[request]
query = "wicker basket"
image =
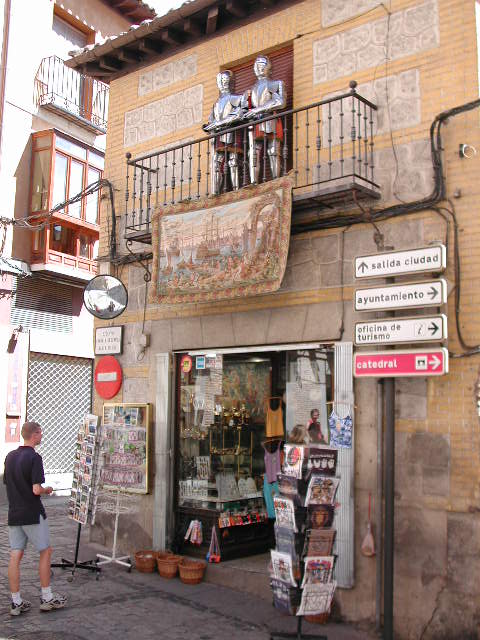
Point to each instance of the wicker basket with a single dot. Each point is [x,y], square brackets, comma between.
[320,618]
[192,571]
[167,564]
[145,561]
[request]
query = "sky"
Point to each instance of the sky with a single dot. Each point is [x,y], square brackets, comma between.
[162,6]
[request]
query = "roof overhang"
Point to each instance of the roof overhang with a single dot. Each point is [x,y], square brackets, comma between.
[180,28]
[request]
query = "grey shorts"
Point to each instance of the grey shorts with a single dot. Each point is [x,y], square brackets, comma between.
[37,534]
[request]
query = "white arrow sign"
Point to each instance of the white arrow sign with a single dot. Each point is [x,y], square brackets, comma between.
[396,263]
[398,330]
[431,293]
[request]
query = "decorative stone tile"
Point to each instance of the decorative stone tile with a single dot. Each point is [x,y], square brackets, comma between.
[166,74]
[337,11]
[145,84]
[162,76]
[184,118]
[146,131]
[398,100]
[134,118]
[408,32]
[163,117]
[129,137]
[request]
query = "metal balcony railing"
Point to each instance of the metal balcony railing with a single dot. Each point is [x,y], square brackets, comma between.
[74,95]
[327,145]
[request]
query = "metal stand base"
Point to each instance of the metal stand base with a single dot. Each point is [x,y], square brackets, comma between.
[274,635]
[89,565]
[112,559]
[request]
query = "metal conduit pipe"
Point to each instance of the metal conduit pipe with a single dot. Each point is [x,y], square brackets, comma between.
[379,509]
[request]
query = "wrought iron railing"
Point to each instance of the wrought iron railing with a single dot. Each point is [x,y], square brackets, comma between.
[326,145]
[61,88]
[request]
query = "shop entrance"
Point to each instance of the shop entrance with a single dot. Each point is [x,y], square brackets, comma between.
[234,410]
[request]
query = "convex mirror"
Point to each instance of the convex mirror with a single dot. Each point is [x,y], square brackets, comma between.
[105,297]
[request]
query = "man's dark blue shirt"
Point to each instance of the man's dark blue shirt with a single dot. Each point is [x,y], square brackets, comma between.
[23,469]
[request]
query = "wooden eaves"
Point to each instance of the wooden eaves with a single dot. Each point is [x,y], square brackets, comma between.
[157,38]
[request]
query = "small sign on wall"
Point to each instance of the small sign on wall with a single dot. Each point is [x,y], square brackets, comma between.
[108,340]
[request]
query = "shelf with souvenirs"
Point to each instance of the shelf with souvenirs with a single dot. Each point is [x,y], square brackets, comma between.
[220,466]
[302,564]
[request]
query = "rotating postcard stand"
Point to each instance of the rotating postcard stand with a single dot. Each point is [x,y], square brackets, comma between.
[109,502]
[89,565]
[298,634]
[302,564]
[83,497]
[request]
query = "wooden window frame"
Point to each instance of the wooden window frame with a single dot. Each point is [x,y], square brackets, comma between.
[79,225]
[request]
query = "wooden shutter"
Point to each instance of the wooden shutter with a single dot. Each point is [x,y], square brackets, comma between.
[282,69]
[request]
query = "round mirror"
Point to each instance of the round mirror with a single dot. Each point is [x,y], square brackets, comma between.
[105,297]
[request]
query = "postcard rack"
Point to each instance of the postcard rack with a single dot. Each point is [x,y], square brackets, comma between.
[302,563]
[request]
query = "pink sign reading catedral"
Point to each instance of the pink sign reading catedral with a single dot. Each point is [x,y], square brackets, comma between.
[388,364]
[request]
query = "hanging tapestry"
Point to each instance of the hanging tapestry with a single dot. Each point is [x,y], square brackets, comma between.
[230,246]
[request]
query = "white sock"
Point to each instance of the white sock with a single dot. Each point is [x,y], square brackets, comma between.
[47,593]
[17,598]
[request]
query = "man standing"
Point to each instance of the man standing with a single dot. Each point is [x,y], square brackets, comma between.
[27,520]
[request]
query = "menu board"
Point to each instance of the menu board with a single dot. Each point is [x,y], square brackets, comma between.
[125,447]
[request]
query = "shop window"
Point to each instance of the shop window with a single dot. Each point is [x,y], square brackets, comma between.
[233,412]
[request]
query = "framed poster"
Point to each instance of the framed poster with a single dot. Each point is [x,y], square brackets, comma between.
[126,429]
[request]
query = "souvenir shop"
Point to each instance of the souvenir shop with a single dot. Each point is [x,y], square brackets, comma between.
[242,418]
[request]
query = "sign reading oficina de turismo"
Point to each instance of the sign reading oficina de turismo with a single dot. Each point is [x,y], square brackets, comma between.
[398,330]
[388,364]
[396,263]
[431,293]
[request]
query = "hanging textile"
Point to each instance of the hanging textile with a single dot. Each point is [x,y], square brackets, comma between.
[213,554]
[274,419]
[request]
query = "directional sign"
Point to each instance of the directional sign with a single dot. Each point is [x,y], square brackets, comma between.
[395,330]
[394,364]
[431,293]
[396,263]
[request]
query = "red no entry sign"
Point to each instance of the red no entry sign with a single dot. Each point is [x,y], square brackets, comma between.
[108,377]
[391,364]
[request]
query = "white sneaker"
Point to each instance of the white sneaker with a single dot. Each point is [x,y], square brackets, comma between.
[17,609]
[57,602]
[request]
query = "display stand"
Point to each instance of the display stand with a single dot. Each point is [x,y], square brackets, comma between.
[302,563]
[89,565]
[107,506]
[298,635]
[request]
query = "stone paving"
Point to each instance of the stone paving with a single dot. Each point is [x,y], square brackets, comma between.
[134,606]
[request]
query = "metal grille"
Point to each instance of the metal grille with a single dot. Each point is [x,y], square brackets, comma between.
[41,304]
[59,395]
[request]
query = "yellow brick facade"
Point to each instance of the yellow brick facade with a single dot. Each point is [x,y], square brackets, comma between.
[448,77]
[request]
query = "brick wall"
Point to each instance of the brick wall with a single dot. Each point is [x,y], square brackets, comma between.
[433,67]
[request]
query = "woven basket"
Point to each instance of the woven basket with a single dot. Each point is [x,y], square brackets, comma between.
[167,564]
[192,571]
[145,561]
[320,618]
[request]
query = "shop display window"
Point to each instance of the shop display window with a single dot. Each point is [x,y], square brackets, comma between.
[231,410]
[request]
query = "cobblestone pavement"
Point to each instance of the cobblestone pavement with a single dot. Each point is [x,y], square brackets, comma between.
[134,606]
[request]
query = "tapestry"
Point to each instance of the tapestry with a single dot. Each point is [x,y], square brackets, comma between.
[223,247]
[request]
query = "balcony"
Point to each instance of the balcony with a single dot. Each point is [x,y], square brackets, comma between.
[328,146]
[72,95]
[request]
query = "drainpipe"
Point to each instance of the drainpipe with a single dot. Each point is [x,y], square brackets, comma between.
[379,509]
[3,69]
[389,386]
